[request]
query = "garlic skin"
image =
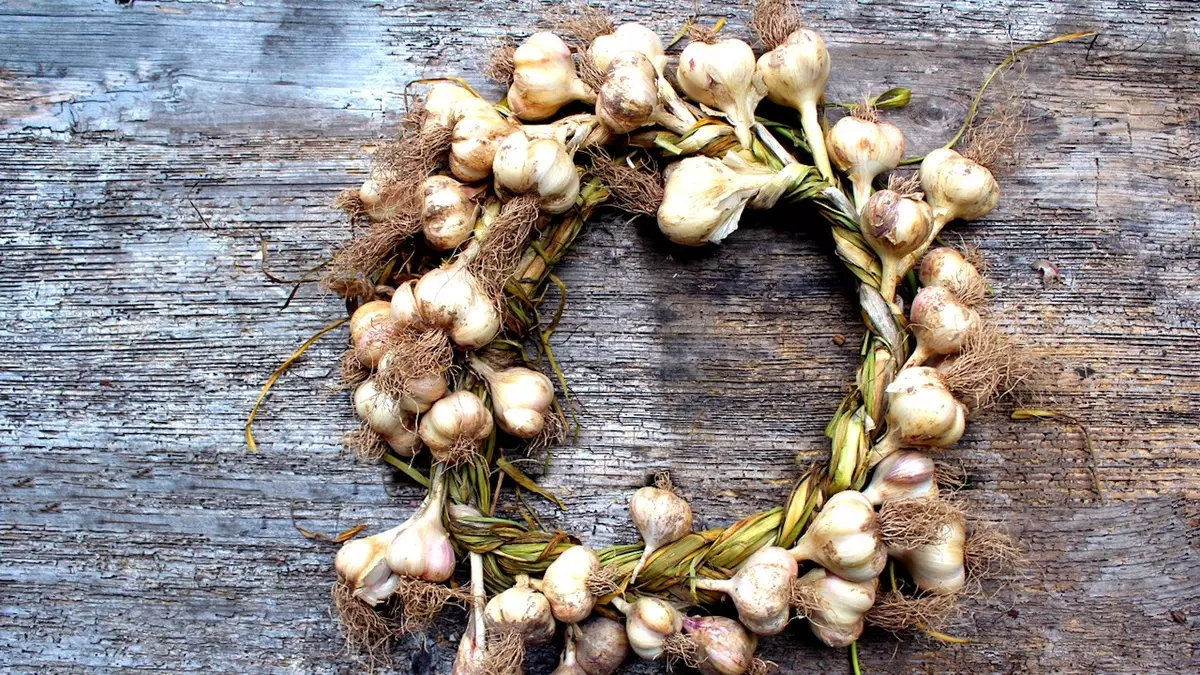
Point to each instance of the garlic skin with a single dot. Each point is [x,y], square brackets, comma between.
[863,149]
[449,298]
[629,96]
[422,549]
[521,610]
[941,324]
[795,74]
[457,422]
[363,564]
[565,584]
[844,538]
[662,517]
[405,313]
[921,412]
[601,645]
[541,166]
[370,327]
[544,78]
[838,621]
[894,226]
[903,475]
[703,200]
[627,37]
[448,213]
[723,646]
[957,188]
[521,398]
[385,416]
[938,568]
[760,590]
[648,622]
[723,75]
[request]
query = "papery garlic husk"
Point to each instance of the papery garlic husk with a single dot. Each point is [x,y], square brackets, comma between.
[544,78]
[723,75]
[894,226]
[521,398]
[902,475]
[844,538]
[565,584]
[723,646]
[363,564]
[539,166]
[370,327]
[629,97]
[761,589]
[385,416]
[957,188]
[661,517]
[946,267]
[921,412]
[422,550]
[938,568]
[941,323]
[448,212]
[473,143]
[521,610]
[838,619]
[795,74]
[649,621]
[456,427]
[601,645]
[703,200]
[627,37]
[863,149]
[450,298]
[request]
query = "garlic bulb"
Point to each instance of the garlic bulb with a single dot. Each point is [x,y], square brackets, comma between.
[628,98]
[521,398]
[521,610]
[442,104]
[761,589]
[456,426]
[541,166]
[723,646]
[649,621]
[957,188]
[447,212]
[476,136]
[941,323]
[370,327]
[363,564]
[600,645]
[938,568]
[703,200]
[662,517]
[921,412]
[844,538]
[627,37]
[902,475]
[421,392]
[722,75]
[381,198]
[945,267]
[894,226]
[422,549]
[795,74]
[385,416]
[565,584]
[544,78]
[405,313]
[863,149]
[449,298]
[838,620]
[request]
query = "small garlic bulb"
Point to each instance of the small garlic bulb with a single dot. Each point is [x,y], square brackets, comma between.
[902,475]
[894,226]
[449,298]
[838,619]
[921,412]
[456,426]
[521,610]
[521,398]
[541,166]
[945,267]
[476,136]
[723,646]
[761,589]
[600,645]
[662,517]
[442,104]
[941,323]
[795,74]
[863,149]
[565,584]
[628,98]
[723,75]
[544,78]
[703,200]
[422,550]
[370,326]
[649,621]
[844,538]
[627,37]
[957,188]
[385,416]
[447,212]
[381,197]
[938,568]
[363,564]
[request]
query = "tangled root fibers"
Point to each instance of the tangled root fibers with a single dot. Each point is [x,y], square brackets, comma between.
[906,524]
[774,20]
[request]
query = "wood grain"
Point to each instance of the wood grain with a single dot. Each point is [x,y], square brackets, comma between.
[146,148]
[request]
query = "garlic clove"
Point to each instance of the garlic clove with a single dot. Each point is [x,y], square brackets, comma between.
[541,166]
[723,646]
[863,149]
[838,618]
[795,74]
[723,75]
[629,97]
[661,517]
[455,427]
[938,568]
[760,590]
[957,188]
[941,324]
[565,584]
[902,475]
[387,417]
[703,200]
[544,78]
[601,645]
[448,212]
[370,328]
[627,37]
[844,538]
[521,610]
[649,621]
[894,226]
[404,311]
[521,398]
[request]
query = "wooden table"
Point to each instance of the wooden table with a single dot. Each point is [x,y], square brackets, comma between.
[149,151]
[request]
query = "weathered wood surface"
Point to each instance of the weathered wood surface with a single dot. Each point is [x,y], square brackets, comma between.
[146,149]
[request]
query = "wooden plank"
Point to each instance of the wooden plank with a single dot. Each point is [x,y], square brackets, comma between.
[146,149]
